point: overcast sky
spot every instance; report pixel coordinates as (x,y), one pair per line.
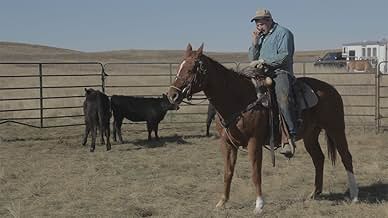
(223,25)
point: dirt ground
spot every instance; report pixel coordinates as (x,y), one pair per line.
(47,173)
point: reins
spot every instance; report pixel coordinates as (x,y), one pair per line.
(235,118)
(225,124)
(189,103)
(231,141)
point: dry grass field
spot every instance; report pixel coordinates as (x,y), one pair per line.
(47,173)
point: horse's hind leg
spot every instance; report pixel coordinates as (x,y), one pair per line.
(230,157)
(339,139)
(312,146)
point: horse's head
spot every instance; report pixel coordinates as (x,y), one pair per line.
(190,77)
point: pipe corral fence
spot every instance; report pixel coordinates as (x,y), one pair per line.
(48,95)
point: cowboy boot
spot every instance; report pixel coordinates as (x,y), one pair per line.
(288,149)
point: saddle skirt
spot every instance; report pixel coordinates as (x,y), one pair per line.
(305,98)
(304,95)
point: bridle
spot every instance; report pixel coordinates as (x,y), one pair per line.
(199,78)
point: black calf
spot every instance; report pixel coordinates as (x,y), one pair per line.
(97,115)
(151,110)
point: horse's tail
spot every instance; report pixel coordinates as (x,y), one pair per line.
(331,149)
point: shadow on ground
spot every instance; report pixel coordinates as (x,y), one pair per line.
(373,194)
(163,141)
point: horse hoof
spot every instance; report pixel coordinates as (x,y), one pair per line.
(259,206)
(221,204)
(314,195)
(258,211)
(352,200)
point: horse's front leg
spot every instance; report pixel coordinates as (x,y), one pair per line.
(255,153)
(230,156)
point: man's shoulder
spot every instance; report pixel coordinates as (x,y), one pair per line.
(283,29)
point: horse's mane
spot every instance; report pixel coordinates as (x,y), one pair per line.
(234,85)
(231,71)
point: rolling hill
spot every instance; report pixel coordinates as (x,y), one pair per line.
(13,51)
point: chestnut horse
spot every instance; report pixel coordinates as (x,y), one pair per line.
(230,93)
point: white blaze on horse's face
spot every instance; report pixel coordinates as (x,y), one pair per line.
(185,75)
(179,85)
(185,70)
(180,69)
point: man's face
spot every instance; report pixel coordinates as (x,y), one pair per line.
(263,25)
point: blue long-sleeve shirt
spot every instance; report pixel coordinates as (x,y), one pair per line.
(276,49)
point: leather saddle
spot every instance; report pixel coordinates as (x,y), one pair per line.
(304,95)
(305,98)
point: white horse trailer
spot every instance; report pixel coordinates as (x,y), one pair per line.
(375,51)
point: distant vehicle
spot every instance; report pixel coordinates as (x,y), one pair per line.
(331,59)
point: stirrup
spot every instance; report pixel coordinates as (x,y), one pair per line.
(289,153)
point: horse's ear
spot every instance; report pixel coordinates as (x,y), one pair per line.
(189,49)
(200,50)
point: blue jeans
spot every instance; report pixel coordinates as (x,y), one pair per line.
(286,100)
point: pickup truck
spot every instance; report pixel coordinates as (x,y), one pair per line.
(331,59)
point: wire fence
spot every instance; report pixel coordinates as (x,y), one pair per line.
(48,95)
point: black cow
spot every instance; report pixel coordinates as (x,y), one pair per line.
(137,109)
(97,115)
(211,113)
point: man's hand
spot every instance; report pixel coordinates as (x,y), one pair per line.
(255,37)
(259,64)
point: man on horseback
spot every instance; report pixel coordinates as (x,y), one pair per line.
(273,47)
